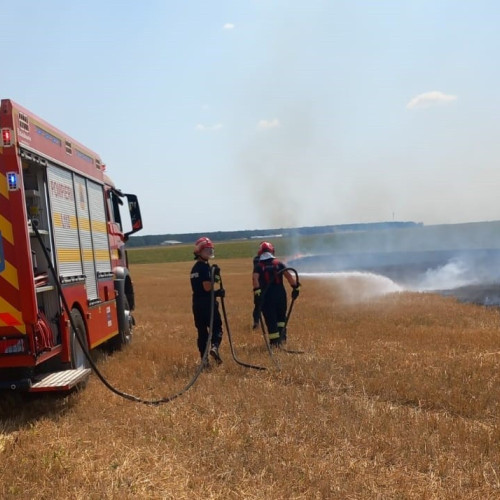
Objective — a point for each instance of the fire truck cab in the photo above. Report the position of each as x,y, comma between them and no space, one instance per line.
65,285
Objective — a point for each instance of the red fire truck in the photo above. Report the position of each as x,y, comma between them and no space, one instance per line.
65,286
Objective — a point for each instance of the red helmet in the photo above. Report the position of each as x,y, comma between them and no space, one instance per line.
201,244
265,246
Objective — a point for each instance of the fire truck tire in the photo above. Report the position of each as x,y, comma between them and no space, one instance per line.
124,337
78,357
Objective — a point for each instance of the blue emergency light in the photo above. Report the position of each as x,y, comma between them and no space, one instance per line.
12,183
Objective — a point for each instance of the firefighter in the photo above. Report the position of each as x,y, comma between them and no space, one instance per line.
201,284
270,292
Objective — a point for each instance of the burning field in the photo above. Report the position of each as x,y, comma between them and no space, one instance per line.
469,275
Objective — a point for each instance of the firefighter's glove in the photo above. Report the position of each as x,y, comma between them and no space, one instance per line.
295,291
220,293
257,294
216,272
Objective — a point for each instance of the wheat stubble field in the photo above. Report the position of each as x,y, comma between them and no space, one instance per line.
395,397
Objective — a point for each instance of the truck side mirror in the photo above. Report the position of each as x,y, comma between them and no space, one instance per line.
135,214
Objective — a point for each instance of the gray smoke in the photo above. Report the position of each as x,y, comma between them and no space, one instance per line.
461,260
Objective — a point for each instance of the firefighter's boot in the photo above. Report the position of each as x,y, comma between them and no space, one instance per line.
214,352
282,332
274,339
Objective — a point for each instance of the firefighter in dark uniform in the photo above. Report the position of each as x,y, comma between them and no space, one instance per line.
201,284
267,279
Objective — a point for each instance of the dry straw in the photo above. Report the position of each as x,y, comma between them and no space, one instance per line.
396,397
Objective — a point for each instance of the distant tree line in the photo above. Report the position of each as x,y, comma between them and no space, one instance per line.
159,239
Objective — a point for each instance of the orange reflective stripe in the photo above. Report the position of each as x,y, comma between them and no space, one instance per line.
6,229
9,274
9,320
3,185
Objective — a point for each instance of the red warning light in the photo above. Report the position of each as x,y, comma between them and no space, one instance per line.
6,137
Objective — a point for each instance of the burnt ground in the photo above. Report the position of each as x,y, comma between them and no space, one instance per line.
469,275
486,295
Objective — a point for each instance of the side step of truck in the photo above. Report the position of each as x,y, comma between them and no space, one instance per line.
60,381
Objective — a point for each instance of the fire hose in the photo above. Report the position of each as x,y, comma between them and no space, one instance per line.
130,397
83,345
229,336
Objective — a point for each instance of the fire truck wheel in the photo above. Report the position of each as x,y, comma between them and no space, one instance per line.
124,337
78,357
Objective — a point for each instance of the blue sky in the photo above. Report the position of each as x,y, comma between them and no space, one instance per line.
253,114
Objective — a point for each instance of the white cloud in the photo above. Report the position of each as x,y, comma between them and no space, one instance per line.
208,128
428,99
228,26
268,123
